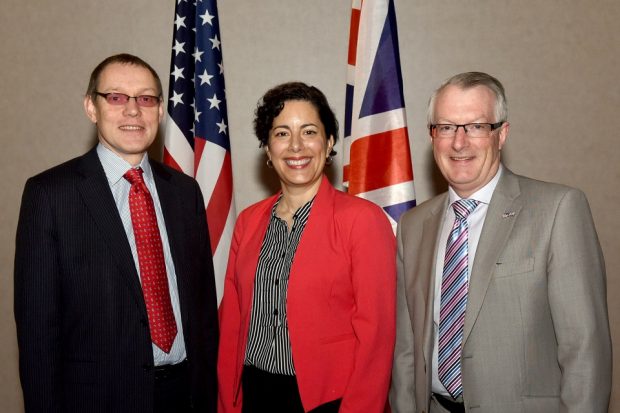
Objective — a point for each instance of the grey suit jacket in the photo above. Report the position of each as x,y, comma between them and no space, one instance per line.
536,335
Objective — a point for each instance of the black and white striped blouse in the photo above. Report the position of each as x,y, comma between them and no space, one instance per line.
269,345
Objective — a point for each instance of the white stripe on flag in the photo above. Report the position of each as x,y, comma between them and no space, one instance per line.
220,256
178,147
390,195
209,169
378,123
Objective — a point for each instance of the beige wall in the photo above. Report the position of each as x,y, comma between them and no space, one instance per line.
559,62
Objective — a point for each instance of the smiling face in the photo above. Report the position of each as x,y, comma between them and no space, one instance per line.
467,163
128,130
298,148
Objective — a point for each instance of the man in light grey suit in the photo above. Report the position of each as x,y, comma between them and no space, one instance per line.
528,325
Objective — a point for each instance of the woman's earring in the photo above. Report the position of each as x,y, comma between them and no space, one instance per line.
269,163
329,160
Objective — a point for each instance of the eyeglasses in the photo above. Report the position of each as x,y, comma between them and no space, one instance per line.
117,99
473,130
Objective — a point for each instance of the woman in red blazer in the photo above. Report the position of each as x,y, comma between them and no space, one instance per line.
308,315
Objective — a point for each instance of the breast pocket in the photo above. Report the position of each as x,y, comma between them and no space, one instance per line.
514,267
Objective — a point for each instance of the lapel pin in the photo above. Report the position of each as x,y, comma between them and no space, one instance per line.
508,214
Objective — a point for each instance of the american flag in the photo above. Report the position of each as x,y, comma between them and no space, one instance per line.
377,161
196,139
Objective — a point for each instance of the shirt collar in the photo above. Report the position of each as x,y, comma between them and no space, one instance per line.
115,167
482,195
302,211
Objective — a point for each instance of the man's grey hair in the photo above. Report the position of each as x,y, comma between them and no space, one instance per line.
470,80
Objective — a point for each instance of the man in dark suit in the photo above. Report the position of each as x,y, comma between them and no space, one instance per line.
501,301
115,300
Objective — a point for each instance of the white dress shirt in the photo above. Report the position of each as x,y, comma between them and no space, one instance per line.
475,221
115,167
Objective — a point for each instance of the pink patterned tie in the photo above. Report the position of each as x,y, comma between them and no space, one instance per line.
454,300
152,265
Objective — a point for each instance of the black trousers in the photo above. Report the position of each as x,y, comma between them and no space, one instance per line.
275,393
449,404
172,390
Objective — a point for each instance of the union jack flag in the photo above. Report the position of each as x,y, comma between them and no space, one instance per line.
196,139
377,161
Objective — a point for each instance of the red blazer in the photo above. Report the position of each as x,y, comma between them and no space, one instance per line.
341,303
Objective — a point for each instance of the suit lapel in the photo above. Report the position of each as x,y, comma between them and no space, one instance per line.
427,261
169,199
315,229
247,258
503,211
95,192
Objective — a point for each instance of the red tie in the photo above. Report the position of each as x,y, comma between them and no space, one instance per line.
151,259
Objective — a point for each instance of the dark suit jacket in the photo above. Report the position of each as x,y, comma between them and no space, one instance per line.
82,327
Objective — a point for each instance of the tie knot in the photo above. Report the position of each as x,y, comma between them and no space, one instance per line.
464,207
134,176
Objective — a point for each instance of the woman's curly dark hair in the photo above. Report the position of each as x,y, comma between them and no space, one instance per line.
272,103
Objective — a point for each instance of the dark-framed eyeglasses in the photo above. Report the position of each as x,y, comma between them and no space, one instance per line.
117,99
473,130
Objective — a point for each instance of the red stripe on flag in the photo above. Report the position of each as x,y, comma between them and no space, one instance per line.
170,161
353,31
378,161
219,204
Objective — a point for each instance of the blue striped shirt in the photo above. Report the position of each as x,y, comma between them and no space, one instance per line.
115,167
